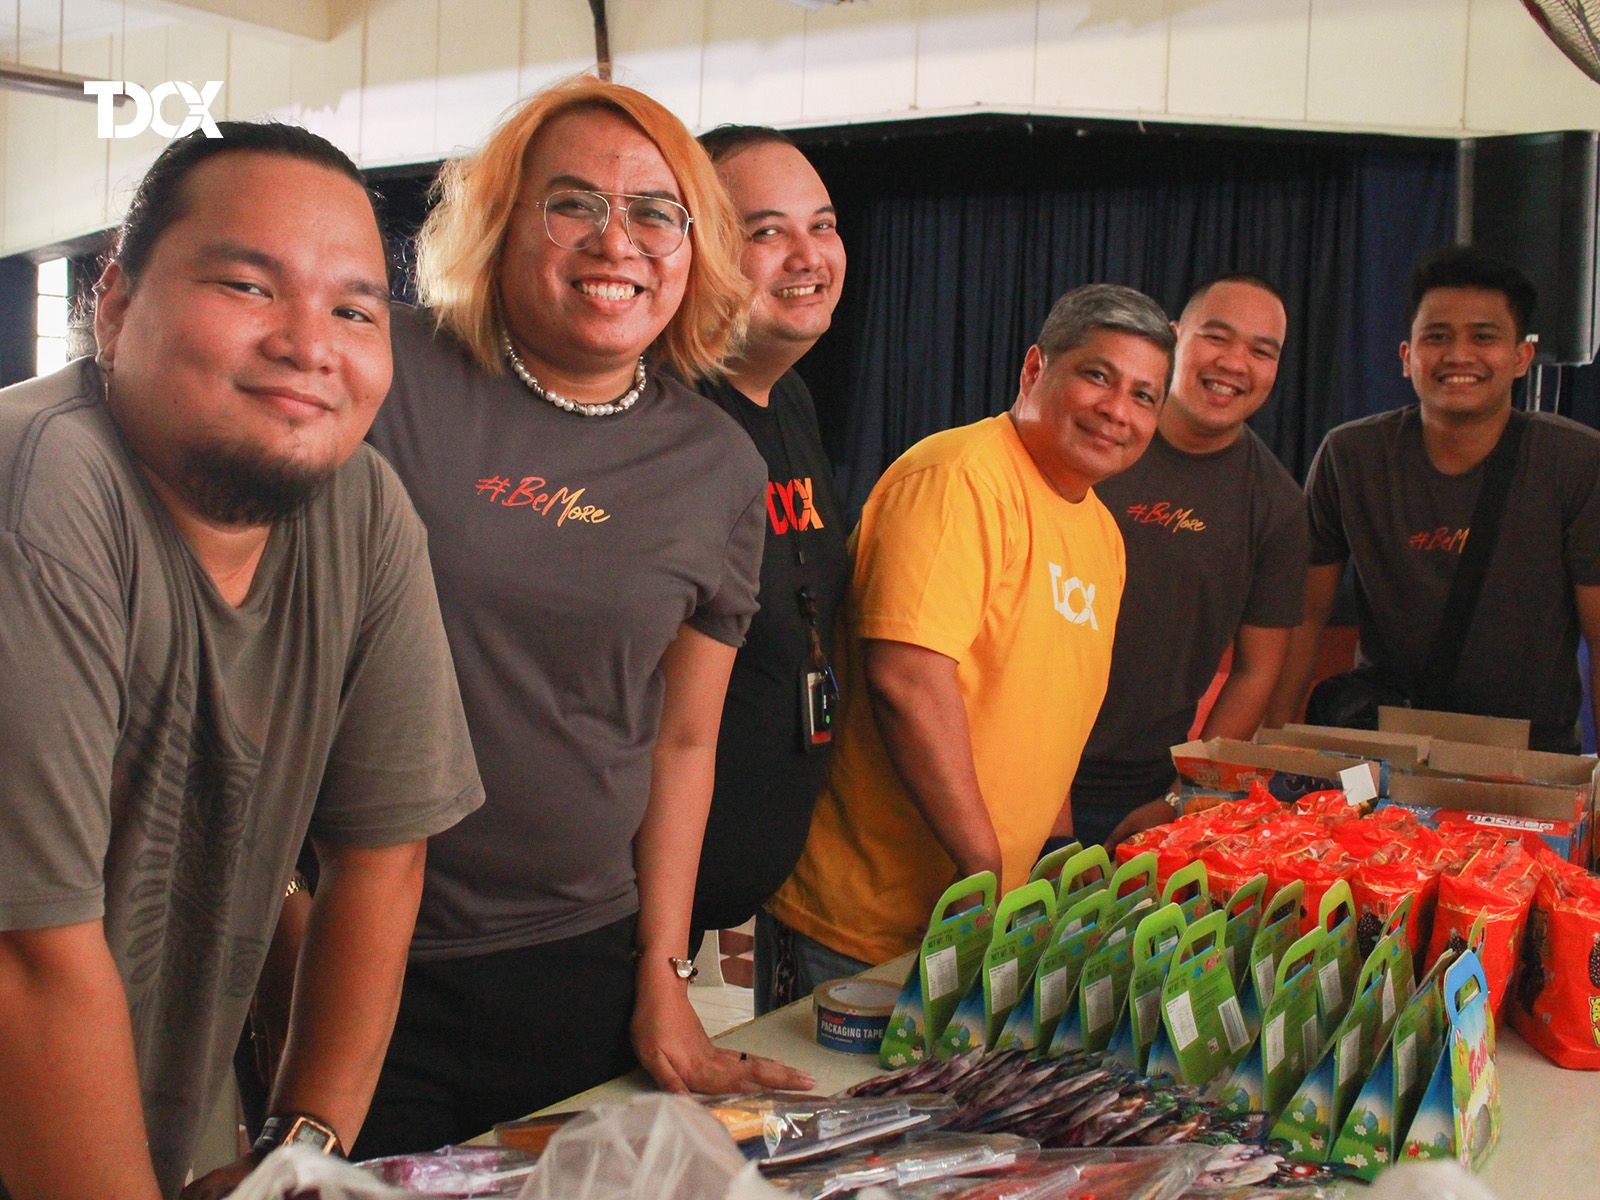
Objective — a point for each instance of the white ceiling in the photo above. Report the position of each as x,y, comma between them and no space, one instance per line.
37,28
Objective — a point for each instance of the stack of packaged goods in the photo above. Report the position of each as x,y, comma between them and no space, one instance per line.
1213,989
1454,876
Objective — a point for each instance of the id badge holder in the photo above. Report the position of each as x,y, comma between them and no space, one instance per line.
819,700
819,690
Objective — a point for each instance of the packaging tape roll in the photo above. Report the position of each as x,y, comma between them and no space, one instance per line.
853,1013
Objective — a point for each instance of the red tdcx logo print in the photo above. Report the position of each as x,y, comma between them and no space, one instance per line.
789,506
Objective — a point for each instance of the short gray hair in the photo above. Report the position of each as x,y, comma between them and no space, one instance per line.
1111,306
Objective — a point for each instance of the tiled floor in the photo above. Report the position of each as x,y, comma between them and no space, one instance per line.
728,1001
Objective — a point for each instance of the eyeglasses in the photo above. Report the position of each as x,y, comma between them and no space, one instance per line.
575,220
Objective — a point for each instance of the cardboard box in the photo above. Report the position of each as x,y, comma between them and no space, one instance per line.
1402,751
1471,768
1560,816
1506,732
1288,772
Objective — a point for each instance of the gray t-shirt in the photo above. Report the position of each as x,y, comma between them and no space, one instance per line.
1377,499
165,754
1214,541
568,550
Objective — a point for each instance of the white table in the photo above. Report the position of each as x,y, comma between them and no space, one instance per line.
1549,1139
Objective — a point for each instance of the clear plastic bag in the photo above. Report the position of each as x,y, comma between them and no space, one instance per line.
935,1157
1147,1173
299,1173
1250,1170
787,1128
1428,1181
456,1172
655,1148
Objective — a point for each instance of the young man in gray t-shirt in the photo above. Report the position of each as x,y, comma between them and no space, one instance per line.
1215,531
1396,494
221,636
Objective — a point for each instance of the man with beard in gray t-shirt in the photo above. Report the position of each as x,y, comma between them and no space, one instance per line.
1215,531
220,637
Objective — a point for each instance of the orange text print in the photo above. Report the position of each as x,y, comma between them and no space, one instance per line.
536,495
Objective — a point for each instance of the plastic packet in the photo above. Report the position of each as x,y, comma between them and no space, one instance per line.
1557,992
456,1171
936,1157
1498,883
785,1128
1319,865
1154,1173
653,1148
1330,807
299,1172
1379,884
1230,864
1428,1181
1249,1170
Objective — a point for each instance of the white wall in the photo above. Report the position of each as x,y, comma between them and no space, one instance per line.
414,80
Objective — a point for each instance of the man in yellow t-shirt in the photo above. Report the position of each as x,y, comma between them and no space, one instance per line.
978,642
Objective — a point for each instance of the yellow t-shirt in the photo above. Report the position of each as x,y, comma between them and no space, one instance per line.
963,548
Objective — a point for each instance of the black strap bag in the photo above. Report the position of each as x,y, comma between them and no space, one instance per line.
1352,699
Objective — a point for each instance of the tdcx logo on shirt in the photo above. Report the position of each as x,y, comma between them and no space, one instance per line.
1073,598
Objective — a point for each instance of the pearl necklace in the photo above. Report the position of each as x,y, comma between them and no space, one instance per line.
621,404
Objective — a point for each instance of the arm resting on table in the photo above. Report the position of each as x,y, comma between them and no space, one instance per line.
346,992
667,1034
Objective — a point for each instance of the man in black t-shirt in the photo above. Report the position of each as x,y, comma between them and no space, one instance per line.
775,735
1395,494
1215,531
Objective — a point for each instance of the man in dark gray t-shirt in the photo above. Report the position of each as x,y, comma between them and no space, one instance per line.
1215,531
1395,494
220,637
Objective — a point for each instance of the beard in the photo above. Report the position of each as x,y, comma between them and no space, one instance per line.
239,485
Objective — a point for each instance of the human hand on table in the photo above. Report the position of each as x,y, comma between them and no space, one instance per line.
672,1045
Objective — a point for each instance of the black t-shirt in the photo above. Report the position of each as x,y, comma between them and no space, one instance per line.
766,783
1377,499
1214,541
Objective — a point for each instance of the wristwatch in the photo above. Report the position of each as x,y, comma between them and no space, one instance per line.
297,1129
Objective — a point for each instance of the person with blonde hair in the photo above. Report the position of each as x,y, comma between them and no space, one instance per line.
596,538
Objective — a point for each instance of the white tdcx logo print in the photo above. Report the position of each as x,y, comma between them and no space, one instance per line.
147,107
1073,598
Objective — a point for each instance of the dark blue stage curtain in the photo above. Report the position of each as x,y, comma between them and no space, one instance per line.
960,238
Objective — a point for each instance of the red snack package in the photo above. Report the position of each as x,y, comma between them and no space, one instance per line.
1395,818
1319,865
1288,831
1556,1001
1138,843
1330,808
1362,839
1499,883
1230,864
1462,840
1259,803
1379,883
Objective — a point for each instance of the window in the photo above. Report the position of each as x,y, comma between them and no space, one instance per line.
50,352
